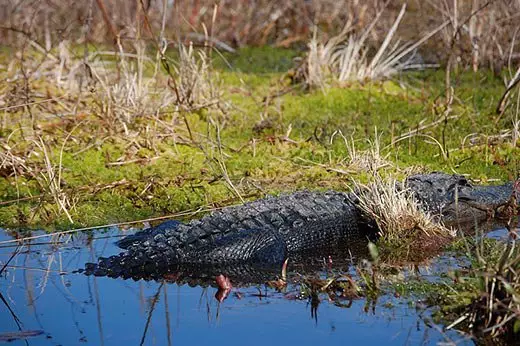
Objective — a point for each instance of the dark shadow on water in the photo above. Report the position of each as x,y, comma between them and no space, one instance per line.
185,306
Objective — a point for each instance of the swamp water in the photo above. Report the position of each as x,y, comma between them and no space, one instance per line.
44,303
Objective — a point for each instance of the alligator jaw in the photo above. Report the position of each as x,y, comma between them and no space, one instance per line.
456,201
478,203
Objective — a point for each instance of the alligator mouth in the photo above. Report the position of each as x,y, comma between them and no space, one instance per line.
465,213
481,203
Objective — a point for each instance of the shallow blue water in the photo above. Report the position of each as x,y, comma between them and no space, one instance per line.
73,309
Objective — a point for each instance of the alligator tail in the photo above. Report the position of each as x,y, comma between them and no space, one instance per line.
132,264
106,266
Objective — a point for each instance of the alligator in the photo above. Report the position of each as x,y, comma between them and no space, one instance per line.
338,257
265,232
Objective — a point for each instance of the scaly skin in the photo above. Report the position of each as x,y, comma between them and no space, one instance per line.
456,201
261,233
265,232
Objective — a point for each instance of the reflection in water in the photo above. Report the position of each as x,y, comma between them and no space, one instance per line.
48,304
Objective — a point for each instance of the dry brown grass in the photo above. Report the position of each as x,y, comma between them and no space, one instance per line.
479,34
196,85
396,211
370,160
348,56
495,307
114,93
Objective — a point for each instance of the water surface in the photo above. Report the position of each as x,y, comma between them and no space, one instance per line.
55,306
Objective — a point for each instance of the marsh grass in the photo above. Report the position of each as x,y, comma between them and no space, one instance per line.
482,40
195,85
161,170
348,56
11,162
110,96
485,299
405,229
149,101
510,103
370,160
50,178
142,89
129,95
396,210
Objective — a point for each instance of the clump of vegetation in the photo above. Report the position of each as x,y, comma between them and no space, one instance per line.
196,85
129,94
401,221
485,299
347,57
370,160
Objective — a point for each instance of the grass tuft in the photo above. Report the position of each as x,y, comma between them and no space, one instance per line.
195,86
397,212
492,284
348,56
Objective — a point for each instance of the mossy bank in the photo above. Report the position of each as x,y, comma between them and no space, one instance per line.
265,135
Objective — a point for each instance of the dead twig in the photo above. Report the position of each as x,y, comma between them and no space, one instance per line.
502,104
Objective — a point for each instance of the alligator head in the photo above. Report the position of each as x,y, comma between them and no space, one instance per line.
456,201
